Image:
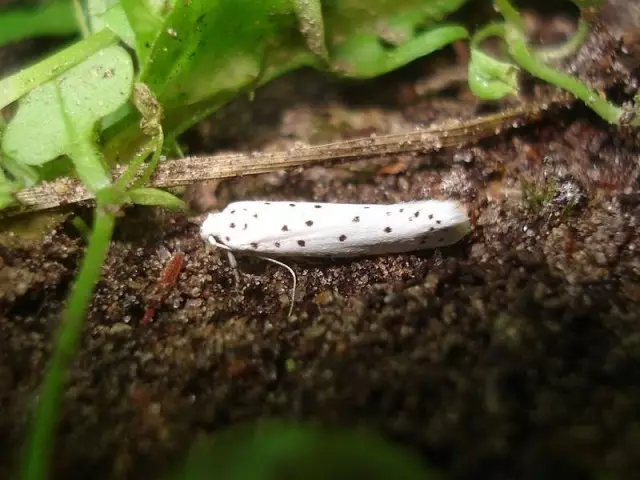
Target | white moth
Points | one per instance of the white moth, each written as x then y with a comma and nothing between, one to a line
314,229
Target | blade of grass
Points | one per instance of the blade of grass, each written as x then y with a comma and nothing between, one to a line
53,18
37,452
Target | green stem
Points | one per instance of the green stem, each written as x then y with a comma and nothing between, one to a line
87,161
548,54
36,460
17,85
525,59
489,30
23,174
509,13
81,19
153,163
123,182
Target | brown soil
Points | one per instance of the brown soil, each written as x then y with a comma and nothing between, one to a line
513,354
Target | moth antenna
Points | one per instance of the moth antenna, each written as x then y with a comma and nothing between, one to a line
234,265
293,276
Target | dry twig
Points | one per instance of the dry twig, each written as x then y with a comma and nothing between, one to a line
189,170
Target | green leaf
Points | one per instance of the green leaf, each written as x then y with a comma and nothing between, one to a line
206,52
59,117
146,23
274,450
491,79
156,197
364,55
109,14
86,93
309,15
15,86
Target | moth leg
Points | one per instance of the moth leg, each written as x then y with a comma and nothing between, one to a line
232,259
234,265
293,276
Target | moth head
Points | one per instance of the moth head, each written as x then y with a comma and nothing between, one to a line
211,226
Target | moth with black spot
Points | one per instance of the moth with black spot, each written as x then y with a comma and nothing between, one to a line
335,229
314,229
